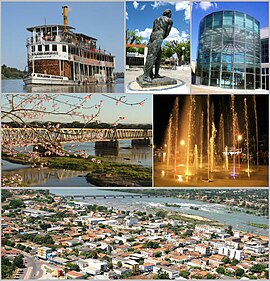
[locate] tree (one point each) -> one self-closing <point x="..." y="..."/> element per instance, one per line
<point x="197" y="276"/>
<point x="220" y="270"/>
<point x="6" y="268"/>
<point x="157" y="254"/>
<point x="210" y="276"/>
<point x="226" y="260"/>
<point x="239" y="272"/>
<point x="213" y="235"/>
<point x="234" y="262"/>
<point x="258" y="268"/>
<point x="16" y="203"/>
<point x="162" y="274"/>
<point x="161" y="214"/>
<point x="133" y="38"/>
<point x="167" y="51"/>
<point x="181" y="49"/>
<point x="229" y="230"/>
<point x="23" y="112"/>
<point x="45" y="226"/>
<point x="184" y="274"/>
<point x="72" y="266"/>
<point x="18" y="261"/>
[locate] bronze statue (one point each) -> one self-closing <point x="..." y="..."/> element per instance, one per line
<point x="161" y="29"/>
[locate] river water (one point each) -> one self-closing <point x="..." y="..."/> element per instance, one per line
<point x="17" y="86"/>
<point x="218" y="212"/>
<point x="48" y="177"/>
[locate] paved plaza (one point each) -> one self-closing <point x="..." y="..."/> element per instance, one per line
<point x="181" y="73"/>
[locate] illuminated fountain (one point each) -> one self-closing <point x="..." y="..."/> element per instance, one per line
<point x="212" y="147"/>
<point x="201" y="139"/>
<point x="196" y="160"/>
<point x="257" y="136"/>
<point x="246" y="123"/>
<point x="207" y="142"/>
<point x="233" y="174"/>
<point x="190" y="127"/>
<point x="226" y="166"/>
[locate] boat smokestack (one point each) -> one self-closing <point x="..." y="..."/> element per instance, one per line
<point x="65" y="15"/>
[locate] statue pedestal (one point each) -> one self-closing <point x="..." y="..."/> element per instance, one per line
<point x="156" y="82"/>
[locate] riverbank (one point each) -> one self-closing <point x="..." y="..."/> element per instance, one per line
<point x="98" y="171"/>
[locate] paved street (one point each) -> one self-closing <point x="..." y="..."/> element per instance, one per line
<point x="32" y="268"/>
<point x="216" y="90"/>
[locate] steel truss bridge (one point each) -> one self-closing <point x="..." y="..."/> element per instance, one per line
<point x="111" y="196"/>
<point x="62" y="135"/>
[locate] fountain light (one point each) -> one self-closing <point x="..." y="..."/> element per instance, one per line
<point x="180" y="178"/>
<point x="188" y="173"/>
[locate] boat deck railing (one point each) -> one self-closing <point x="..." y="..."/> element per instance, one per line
<point x="61" y="39"/>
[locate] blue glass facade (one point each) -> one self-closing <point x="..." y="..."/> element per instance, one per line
<point x="229" y="51"/>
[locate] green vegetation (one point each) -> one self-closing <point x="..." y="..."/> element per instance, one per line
<point x="11" y="73"/>
<point x="8" y="267"/>
<point x="152" y="245"/>
<point x="38" y="239"/>
<point x="72" y="266"/>
<point x="229" y="230"/>
<point x="161" y="214"/>
<point x="221" y="270"/>
<point x="185" y="274"/>
<point x="180" y="49"/>
<point x="258" y="268"/>
<point x="259" y="225"/>
<point x="239" y="272"/>
<point x="14" y="204"/>
<point x="106" y="173"/>
<point x="5" y="194"/>
<point x="162" y="275"/>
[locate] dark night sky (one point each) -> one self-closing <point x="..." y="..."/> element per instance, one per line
<point x="163" y="105"/>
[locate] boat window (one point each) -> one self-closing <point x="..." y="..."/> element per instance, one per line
<point x="47" y="48"/>
<point x="40" y="48"/>
<point x="64" y="48"/>
<point x="33" y="49"/>
<point x="54" y="48"/>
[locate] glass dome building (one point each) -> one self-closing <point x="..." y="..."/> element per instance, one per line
<point x="229" y="51"/>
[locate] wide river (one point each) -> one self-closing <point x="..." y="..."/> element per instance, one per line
<point x="218" y="212"/>
<point x="17" y="86"/>
<point x="66" y="178"/>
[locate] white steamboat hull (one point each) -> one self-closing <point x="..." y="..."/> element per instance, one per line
<point x="36" y="81"/>
<point x="43" y="79"/>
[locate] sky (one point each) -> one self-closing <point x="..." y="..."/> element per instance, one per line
<point x="141" y="15"/>
<point x="110" y="112"/>
<point x="258" y="10"/>
<point x="104" y="21"/>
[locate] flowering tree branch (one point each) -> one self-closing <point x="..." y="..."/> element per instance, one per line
<point x="22" y="110"/>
